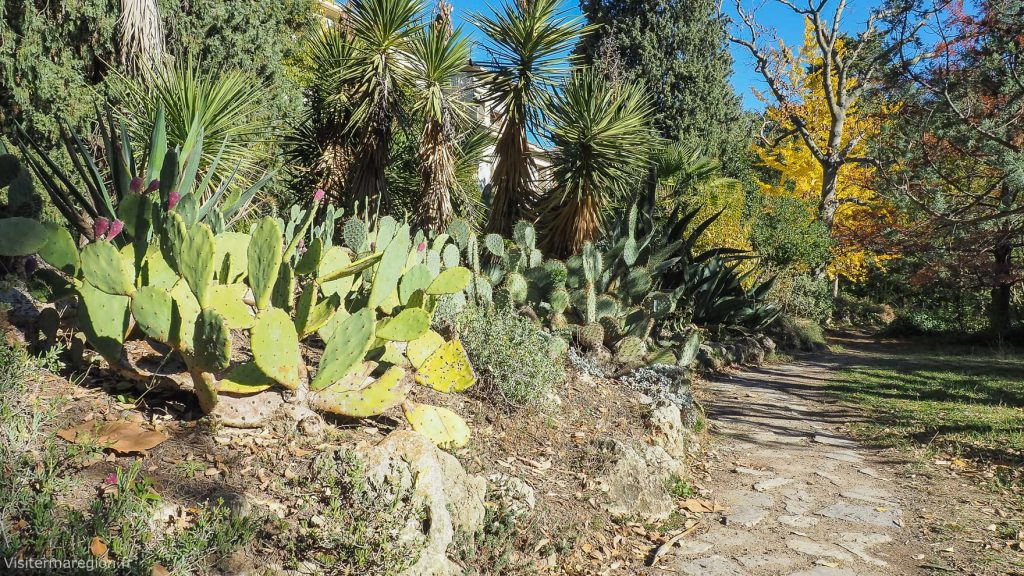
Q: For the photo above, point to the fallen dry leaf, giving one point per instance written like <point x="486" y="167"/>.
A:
<point x="159" y="570"/>
<point x="97" y="548"/>
<point x="699" y="505"/>
<point x="119" y="436"/>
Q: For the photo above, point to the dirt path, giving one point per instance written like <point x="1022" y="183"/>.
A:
<point x="803" y="498"/>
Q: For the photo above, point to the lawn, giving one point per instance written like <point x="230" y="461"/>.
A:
<point x="968" y="405"/>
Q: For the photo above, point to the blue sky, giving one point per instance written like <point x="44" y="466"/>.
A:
<point x="769" y="13"/>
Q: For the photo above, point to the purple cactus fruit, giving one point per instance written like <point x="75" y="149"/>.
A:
<point x="319" y="195"/>
<point x="172" y="200"/>
<point x="153" y="186"/>
<point x="421" y="247"/>
<point x="100" y="227"/>
<point x="302" y="246"/>
<point x="115" y="229"/>
<point x="136" y="185"/>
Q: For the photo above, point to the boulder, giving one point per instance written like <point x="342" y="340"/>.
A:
<point x="670" y="429"/>
<point x="452" y="499"/>
<point x="635" y="483"/>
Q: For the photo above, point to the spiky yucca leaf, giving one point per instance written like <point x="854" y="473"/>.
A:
<point x="439" y="56"/>
<point x="603" y="136"/>
<point x="527" y="45"/>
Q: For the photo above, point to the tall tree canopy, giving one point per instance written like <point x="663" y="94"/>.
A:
<point x="678" y="49"/>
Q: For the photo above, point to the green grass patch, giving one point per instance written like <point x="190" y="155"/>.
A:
<point x="969" y="405"/>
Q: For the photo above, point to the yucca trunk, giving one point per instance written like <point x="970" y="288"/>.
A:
<point x="369" y="181"/>
<point x="437" y="173"/>
<point x="568" y="224"/>
<point x="514" y="195"/>
<point x="142" y="36"/>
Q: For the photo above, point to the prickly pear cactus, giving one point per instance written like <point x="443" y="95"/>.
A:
<point x="591" y="336"/>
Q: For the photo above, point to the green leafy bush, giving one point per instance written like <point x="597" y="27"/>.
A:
<point x="510" y="354"/>
<point x="802" y="295"/>
<point x="787" y="234"/>
<point x="798" y="334"/>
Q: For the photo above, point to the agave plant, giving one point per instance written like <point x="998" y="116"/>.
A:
<point x="378" y="74"/>
<point x="439" y="56"/>
<point x="92" y="202"/>
<point x="527" y="46"/>
<point x="603" y="136"/>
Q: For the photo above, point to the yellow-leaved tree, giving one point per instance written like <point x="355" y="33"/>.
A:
<point x="809" y="132"/>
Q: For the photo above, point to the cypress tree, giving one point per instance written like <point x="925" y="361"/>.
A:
<point x="678" y="48"/>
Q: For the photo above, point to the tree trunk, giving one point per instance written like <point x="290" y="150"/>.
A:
<point x="828" y="203"/>
<point x="1000" y="307"/>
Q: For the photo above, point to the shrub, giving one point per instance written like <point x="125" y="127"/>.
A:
<point x="798" y="334"/>
<point x="801" y="295"/>
<point x="510" y="354"/>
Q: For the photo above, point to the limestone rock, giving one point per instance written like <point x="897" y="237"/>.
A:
<point x="452" y="499"/>
<point x="513" y="493"/>
<point x="636" y="482"/>
<point x="668" y="431"/>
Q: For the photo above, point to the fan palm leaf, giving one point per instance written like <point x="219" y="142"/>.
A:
<point x="439" y="58"/>
<point x="603" y="136"/>
<point x="528" y="45"/>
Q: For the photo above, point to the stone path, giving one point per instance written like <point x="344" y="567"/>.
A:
<point x="802" y="497"/>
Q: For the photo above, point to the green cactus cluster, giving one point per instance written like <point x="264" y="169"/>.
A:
<point x="196" y="291"/>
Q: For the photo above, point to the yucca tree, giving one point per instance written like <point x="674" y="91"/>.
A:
<point x="439" y="56"/>
<point x="378" y="74"/>
<point x="141" y="35"/>
<point x="528" y="43"/>
<point x="319" y="150"/>
<point x="604" y="138"/>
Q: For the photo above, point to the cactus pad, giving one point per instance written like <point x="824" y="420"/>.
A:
<point x="422" y="348"/>
<point x="460" y="231"/>
<point x="275" y="347"/>
<point x="21" y="236"/>
<point x="156" y="271"/>
<point x="517" y="287"/>
<point x="231" y="256"/>
<point x="245" y="379"/>
<point x="410" y="324"/>
<point x="445" y="428"/>
<point x="310" y="260"/>
<point x="104" y="320"/>
<point x="450" y="281"/>
<point x="630" y="350"/>
<point x="345" y="349"/>
<point x="105" y="269"/>
<point x="228" y="301"/>
<point x="264" y="260"/>
<point x="196" y="261"/>
<point x="416" y="278"/>
<point x="591" y="336"/>
<point x="559" y="300"/>
<point x="211" y="347"/>
<point x="450" y="256"/>
<point x="334" y="259"/>
<point x="186" y="310"/>
<point x="284" y="288"/>
<point x="376" y="398"/>
<point x="356" y="234"/>
<point x="525" y="235"/>
<point x="389" y="270"/>
<point x="495" y="244"/>
<point x="447" y="369"/>
<point x="153" y="310"/>
<point x="688" y="351"/>
<point x="60" y="250"/>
